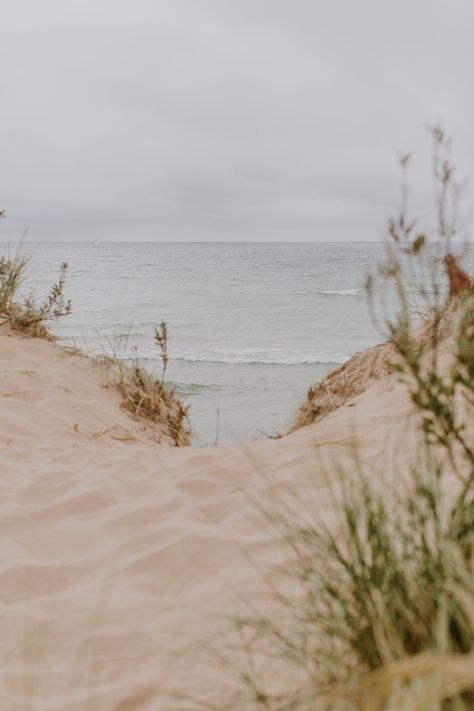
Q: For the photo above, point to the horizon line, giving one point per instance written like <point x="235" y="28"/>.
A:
<point x="219" y="242"/>
<point x="107" y="241"/>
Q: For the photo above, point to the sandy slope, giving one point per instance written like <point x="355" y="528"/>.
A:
<point x="116" y="551"/>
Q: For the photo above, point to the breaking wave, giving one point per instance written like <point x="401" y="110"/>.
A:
<point x="330" y="292"/>
<point x="246" y="356"/>
<point x="261" y="356"/>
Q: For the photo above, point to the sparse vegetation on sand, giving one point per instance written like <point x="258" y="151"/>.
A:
<point x="27" y="315"/>
<point x="146" y="397"/>
<point x="344" y="383"/>
<point x="377" y="612"/>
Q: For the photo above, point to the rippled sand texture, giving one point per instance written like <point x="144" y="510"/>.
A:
<point x="116" y="552"/>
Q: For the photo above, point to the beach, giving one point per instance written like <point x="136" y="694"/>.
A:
<point x="123" y="559"/>
<point x="236" y="356"/>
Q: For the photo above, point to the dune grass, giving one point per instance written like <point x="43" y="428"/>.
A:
<point x="147" y="398"/>
<point x="27" y="315"/>
<point x="376" y="612"/>
<point x="144" y="394"/>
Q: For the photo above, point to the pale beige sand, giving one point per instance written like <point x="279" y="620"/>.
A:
<point x="117" y="551"/>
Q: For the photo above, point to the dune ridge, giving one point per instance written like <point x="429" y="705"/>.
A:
<point x="118" y="552"/>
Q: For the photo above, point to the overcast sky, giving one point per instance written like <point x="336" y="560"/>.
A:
<point x="224" y="119"/>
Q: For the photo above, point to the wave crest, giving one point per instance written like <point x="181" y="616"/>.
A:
<point x="330" y="292"/>
<point x="261" y="356"/>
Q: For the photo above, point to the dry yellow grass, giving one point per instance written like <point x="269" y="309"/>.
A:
<point x="349" y="380"/>
<point x="146" y="398"/>
<point x="344" y="383"/>
<point x="29" y="317"/>
<point x="28" y="323"/>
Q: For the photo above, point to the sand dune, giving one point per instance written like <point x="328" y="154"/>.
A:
<point x="120" y="554"/>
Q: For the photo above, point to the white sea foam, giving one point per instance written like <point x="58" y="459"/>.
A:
<point x="330" y="292"/>
<point x="260" y="356"/>
<point x="235" y="357"/>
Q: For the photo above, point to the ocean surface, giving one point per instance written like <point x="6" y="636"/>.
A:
<point x="251" y="326"/>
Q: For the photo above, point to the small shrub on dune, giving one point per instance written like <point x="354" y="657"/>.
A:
<point x="11" y="276"/>
<point x="146" y="397"/>
<point x="27" y="316"/>
<point x="31" y="318"/>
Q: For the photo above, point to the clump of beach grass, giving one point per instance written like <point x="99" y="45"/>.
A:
<point x="26" y="315"/>
<point x="148" y="398"/>
<point x="342" y="384"/>
<point x="11" y="276"/>
<point x="376" y="610"/>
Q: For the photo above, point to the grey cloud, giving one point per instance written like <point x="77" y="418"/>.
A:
<point x="224" y="119"/>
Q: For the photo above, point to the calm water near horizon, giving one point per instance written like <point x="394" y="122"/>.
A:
<point x="251" y="326"/>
